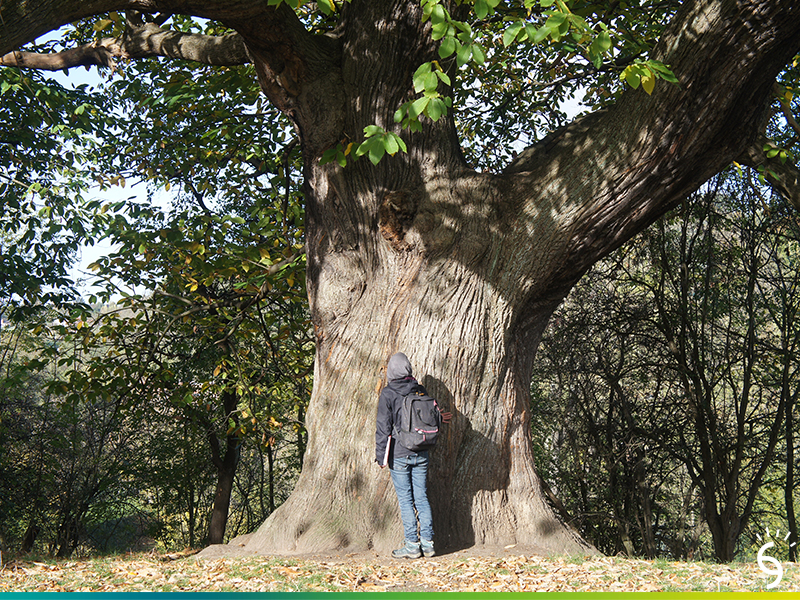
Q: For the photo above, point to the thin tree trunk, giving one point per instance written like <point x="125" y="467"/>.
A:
<point x="271" y="477"/>
<point x="789" y="487"/>
<point x="226" y="473"/>
<point x="31" y="533"/>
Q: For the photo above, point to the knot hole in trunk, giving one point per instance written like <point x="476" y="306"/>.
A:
<point x="396" y="213"/>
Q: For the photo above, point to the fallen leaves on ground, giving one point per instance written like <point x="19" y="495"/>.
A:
<point x="452" y="572"/>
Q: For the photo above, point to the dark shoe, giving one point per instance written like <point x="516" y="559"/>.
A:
<point x="427" y="549"/>
<point x="410" y="550"/>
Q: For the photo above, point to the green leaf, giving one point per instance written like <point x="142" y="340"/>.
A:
<point x="511" y="32"/>
<point x="439" y="29"/>
<point x="364" y="147"/>
<point x="371" y="130"/>
<point x="601" y="44"/>
<point x="541" y="34"/>
<point x="478" y="55"/>
<point x="436" y="108"/>
<point x="418" y="106"/>
<point x="661" y="70"/>
<point x="631" y="76"/>
<point x="431" y="82"/>
<point x="438" y="14"/>
<point x="464" y="54"/>
<point x="326" y="6"/>
<point x="390" y="145"/>
<point x="336" y="153"/>
<point x="376" y="153"/>
<point x="556" y="19"/>
<point x="448" y="46"/>
<point x="401" y="112"/>
<point x="420" y="76"/>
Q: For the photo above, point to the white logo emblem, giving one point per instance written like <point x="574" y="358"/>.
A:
<point x="777" y="569"/>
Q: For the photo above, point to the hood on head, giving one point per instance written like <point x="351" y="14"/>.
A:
<point x="399" y="367"/>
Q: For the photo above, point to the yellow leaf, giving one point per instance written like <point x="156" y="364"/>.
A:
<point x="648" y="83"/>
<point x="102" y="24"/>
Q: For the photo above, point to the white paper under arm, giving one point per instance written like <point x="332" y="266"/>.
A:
<point x="386" y="454"/>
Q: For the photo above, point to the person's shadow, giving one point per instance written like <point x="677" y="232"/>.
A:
<point x="462" y="464"/>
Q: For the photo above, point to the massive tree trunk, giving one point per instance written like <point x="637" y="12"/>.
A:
<point x="462" y="270"/>
<point x="422" y="255"/>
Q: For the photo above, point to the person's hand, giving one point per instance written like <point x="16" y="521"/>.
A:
<point x="446" y="416"/>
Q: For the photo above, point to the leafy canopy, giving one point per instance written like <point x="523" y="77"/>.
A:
<point x="593" y="47"/>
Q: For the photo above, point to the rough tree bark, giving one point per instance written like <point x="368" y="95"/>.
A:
<point x="462" y="270"/>
<point x="226" y="471"/>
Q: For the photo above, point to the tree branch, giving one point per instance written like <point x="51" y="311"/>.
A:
<point x="287" y="57"/>
<point x="22" y="21"/>
<point x="141" y="40"/>
<point x="783" y="177"/>
<point x="100" y="54"/>
<point x="612" y="173"/>
<point x="152" y="40"/>
<point x="786" y="108"/>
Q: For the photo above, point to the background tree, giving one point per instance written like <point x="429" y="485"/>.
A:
<point x="669" y="366"/>
<point x="211" y="326"/>
<point x="45" y="144"/>
<point x="462" y="269"/>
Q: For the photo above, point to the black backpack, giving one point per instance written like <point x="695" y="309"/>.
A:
<point x="420" y="422"/>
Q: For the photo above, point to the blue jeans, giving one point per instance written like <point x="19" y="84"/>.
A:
<point x="410" y="478"/>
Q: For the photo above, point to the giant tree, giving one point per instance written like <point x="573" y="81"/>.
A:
<point x="419" y="251"/>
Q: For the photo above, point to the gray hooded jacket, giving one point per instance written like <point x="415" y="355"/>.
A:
<point x="400" y="383"/>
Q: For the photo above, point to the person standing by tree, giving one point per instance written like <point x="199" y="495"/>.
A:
<point x="409" y="468"/>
